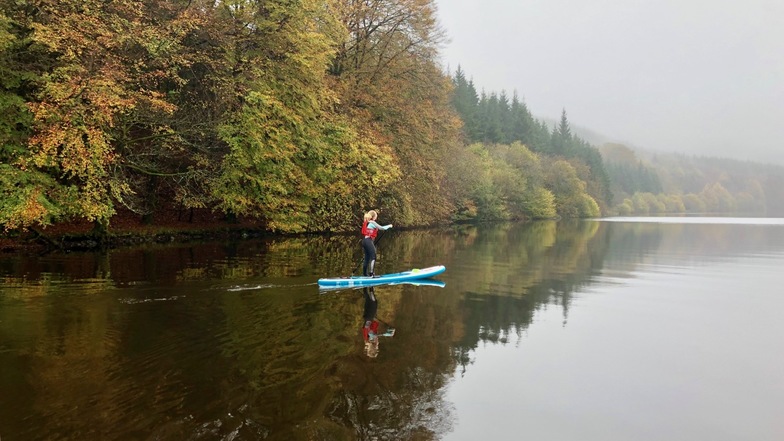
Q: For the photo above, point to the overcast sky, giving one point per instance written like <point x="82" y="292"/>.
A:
<point x="702" y="77"/>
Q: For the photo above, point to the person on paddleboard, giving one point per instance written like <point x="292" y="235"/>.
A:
<point x="371" y="323"/>
<point x="369" y="232"/>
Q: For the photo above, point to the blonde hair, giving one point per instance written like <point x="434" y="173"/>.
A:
<point x="370" y="215"/>
<point x="371" y="348"/>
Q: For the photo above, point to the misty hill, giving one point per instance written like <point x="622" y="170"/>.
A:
<point x="646" y="182"/>
<point x="620" y="179"/>
<point x="709" y="184"/>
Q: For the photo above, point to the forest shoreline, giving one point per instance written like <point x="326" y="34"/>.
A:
<point x="33" y="242"/>
<point x="128" y="229"/>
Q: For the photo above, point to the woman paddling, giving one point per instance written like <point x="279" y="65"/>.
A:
<point x="369" y="231"/>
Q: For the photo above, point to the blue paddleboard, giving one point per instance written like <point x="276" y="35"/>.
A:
<point x="405" y="276"/>
<point x="415" y="282"/>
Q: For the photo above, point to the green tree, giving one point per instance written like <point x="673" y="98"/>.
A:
<point x="718" y="199"/>
<point x="562" y="136"/>
<point x="487" y="194"/>
<point x="499" y="182"/>
<point x="522" y="123"/>
<point x="655" y="205"/>
<point x="640" y="204"/>
<point x="694" y="204"/>
<point x="291" y="156"/>
<point x="672" y="203"/>
<point x="85" y="68"/>
<point x="26" y="195"/>
<point x="562" y="180"/>
<point x="466" y="102"/>
<point x="535" y="201"/>
<point x="626" y="208"/>
<point x="540" y="203"/>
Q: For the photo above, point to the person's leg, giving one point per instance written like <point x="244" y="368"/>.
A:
<point x="372" y="261"/>
<point x="368" y="266"/>
<point x="365" y="263"/>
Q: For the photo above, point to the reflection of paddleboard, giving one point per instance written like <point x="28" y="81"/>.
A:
<point x="418" y="282"/>
<point x="405" y="276"/>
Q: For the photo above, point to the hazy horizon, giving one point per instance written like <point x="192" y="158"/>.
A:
<point x="700" y="78"/>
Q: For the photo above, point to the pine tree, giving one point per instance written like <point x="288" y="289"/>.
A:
<point x="522" y="122"/>
<point x="562" y="136"/>
<point x="506" y="125"/>
<point x="466" y="103"/>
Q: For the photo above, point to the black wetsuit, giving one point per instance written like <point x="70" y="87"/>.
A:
<point x="370" y="256"/>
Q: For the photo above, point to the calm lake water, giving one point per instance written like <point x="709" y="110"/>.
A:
<point x="618" y="329"/>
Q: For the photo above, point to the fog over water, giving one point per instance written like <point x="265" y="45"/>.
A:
<point x="698" y="77"/>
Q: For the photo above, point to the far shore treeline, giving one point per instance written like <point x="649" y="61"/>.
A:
<point x="300" y="115"/>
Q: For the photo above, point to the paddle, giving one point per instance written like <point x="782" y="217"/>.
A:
<point x="378" y="239"/>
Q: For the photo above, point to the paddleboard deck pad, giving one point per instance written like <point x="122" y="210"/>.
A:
<point x="415" y="282"/>
<point x="405" y="276"/>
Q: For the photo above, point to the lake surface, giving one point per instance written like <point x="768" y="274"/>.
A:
<point x="617" y="329"/>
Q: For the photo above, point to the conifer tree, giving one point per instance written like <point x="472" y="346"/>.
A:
<point x="466" y="103"/>
<point x="521" y="122"/>
<point x="562" y="136"/>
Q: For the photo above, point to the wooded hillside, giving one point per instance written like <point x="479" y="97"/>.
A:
<point x="658" y="183"/>
<point x="299" y="115"/>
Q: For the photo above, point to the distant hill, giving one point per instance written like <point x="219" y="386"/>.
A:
<point x="640" y="178"/>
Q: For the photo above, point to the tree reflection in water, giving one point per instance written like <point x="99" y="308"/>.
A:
<point x="233" y="341"/>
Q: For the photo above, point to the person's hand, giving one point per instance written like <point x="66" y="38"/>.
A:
<point x="389" y="226"/>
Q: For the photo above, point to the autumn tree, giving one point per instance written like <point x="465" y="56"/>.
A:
<point x="26" y="195"/>
<point x="569" y="190"/>
<point x="389" y="81"/>
<point x="499" y="182"/>
<point x="292" y="160"/>
<point x="197" y="104"/>
<point x="87" y="66"/>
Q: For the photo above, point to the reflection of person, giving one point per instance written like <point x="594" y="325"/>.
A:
<point x="369" y="231"/>
<point x="371" y="323"/>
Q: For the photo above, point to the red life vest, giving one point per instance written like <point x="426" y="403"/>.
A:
<point x="372" y="232"/>
<point x="367" y="329"/>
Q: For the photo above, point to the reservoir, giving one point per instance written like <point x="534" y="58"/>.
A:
<point x="619" y="328"/>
